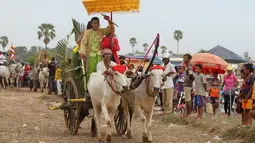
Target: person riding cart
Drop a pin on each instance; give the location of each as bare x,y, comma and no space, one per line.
90,47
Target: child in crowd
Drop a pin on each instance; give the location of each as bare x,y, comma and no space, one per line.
200,90
214,93
58,80
179,83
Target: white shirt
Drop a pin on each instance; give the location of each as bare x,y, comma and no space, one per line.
4,59
169,81
101,67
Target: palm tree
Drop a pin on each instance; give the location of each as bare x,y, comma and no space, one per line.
4,41
163,49
145,47
133,42
178,35
47,31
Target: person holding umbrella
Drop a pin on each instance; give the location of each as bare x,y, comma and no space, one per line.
91,44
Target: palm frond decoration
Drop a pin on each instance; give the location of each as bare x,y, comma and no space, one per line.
78,28
61,49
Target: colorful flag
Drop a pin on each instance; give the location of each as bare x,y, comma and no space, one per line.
12,53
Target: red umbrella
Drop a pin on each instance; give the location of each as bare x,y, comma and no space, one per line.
210,63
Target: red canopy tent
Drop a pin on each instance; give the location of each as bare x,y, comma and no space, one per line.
211,63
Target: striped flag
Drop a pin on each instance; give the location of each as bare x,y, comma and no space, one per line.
12,53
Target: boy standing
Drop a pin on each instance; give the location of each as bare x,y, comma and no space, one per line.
200,90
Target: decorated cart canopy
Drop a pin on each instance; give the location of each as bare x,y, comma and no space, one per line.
98,6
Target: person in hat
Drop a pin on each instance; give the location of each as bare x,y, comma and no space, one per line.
214,93
168,85
106,63
111,42
230,82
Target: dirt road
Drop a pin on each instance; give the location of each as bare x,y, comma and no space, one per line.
24,118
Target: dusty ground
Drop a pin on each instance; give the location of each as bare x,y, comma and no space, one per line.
24,118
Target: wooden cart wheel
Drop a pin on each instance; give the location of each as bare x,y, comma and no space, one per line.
72,113
120,120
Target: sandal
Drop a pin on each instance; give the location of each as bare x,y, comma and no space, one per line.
247,127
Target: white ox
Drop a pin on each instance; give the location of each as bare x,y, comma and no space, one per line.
15,70
5,75
143,99
104,91
43,78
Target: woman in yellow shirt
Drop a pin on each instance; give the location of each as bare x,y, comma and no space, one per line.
58,80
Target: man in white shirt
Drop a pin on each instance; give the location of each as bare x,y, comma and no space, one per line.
106,63
168,86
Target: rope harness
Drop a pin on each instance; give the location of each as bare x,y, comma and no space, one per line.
149,92
111,85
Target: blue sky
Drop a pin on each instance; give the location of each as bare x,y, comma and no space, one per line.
205,23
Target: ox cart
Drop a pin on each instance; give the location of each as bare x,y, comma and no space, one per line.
33,75
77,102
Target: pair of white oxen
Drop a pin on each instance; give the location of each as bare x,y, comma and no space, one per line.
107,99
11,72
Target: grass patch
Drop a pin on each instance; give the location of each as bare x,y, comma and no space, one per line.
227,131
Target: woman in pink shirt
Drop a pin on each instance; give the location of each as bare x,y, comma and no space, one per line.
230,82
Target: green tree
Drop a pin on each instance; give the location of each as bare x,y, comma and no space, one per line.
139,53
246,56
34,50
46,31
202,51
163,49
4,41
21,52
133,42
178,35
145,47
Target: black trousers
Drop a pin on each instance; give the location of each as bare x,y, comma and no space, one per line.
227,103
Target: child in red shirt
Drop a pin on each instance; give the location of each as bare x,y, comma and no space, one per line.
113,44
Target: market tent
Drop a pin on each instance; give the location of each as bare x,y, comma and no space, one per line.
226,54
